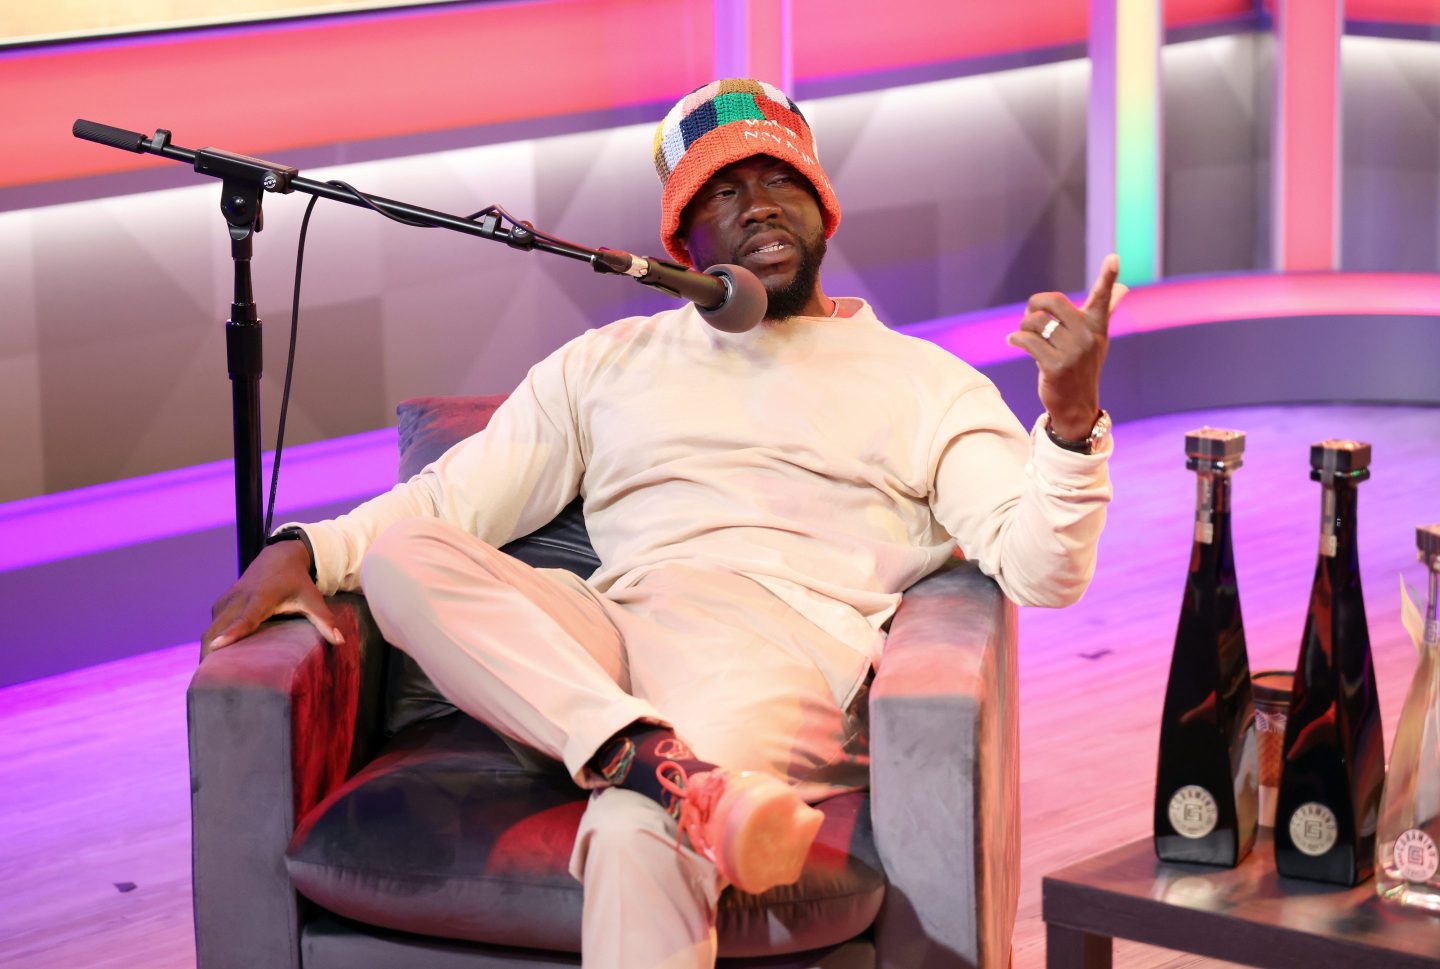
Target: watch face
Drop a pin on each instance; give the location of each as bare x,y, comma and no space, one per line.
1101,429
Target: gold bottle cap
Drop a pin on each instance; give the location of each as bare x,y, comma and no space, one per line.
1214,449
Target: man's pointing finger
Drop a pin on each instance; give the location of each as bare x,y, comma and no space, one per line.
1102,293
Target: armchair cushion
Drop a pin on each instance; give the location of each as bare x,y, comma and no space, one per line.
445,834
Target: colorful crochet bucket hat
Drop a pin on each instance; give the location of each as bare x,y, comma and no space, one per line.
721,123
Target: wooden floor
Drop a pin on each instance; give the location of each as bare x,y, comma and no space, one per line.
94,813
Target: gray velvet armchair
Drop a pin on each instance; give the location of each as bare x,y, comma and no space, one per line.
344,816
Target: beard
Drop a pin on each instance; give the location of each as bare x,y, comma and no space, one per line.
787,299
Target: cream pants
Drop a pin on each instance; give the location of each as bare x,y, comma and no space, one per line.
549,663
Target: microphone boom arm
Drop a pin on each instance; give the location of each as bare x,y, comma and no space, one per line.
284,179
246,179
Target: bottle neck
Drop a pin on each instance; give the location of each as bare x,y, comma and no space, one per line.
1432,624
1212,507
1337,519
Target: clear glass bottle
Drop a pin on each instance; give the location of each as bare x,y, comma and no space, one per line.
1205,782
1334,761
1407,850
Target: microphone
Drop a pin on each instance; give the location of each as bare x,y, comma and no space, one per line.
729,298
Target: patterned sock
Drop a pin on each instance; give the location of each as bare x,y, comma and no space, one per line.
631,759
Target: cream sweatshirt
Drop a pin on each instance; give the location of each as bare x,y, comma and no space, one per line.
833,461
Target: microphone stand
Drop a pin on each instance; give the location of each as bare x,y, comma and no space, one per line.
244,180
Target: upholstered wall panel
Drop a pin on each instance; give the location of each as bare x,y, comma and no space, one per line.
958,194
1217,96
1390,195
22,455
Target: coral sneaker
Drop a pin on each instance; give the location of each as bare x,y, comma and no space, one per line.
751,825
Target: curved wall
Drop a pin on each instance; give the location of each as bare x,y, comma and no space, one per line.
1225,341
959,194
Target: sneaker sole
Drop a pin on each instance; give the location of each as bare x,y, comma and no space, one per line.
767,845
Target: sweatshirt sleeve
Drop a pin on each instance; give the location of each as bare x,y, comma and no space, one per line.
502,483
1030,512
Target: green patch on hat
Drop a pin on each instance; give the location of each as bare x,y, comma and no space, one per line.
736,106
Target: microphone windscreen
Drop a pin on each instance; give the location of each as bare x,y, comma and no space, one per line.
747,303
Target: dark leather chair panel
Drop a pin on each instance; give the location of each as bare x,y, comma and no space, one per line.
329,942
445,834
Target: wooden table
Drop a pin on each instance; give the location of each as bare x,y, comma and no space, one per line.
1247,914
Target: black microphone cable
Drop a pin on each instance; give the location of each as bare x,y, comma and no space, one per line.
289,364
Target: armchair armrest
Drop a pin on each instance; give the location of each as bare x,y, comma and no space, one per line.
944,737
276,721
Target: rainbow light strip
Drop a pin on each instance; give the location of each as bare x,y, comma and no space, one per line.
1124,138
1138,36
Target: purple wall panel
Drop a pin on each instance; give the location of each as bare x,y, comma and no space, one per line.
89,609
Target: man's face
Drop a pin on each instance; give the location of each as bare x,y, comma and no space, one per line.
762,214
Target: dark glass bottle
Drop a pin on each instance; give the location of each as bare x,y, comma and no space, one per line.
1205,785
1334,766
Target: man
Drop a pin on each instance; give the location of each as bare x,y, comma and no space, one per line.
758,502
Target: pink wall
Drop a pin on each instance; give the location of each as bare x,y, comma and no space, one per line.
360,77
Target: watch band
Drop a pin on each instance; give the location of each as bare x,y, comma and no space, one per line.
1086,446
294,533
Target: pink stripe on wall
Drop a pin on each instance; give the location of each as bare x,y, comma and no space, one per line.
1306,208
1187,13
1394,11
753,39
268,88
380,75
771,53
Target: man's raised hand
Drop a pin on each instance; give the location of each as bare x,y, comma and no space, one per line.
277,582
1069,344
